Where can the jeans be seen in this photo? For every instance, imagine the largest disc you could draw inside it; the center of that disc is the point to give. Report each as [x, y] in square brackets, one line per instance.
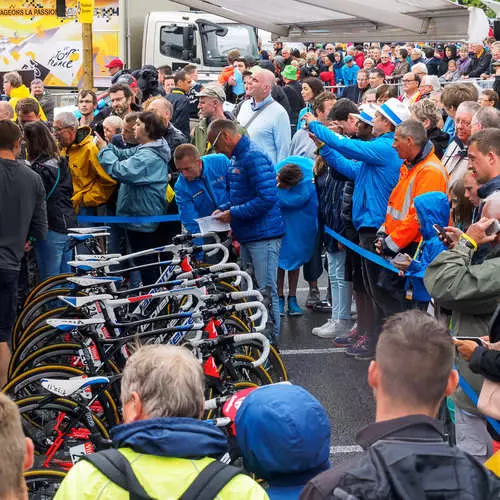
[263, 256]
[8, 294]
[53, 254]
[341, 289]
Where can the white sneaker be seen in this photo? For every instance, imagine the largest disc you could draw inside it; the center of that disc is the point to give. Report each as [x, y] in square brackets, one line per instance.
[326, 331]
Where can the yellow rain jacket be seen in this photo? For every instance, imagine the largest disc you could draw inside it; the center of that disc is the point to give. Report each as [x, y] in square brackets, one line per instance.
[92, 186]
[22, 92]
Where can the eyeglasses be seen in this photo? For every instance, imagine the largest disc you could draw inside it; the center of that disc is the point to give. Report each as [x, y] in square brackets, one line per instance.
[57, 129]
[215, 141]
[406, 81]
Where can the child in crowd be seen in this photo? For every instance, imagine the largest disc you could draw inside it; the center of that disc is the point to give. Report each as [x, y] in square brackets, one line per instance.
[432, 208]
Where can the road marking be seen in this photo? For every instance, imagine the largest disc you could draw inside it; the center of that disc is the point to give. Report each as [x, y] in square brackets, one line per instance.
[292, 352]
[306, 289]
[335, 450]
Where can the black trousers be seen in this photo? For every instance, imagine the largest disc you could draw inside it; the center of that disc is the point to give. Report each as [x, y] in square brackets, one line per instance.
[385, 288]
[8, 294]
[143, 241]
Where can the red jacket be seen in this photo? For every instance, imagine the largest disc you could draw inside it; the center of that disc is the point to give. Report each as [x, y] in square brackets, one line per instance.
[387, 67]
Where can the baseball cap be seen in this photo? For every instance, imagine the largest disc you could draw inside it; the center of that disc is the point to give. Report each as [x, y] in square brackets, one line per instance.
[347, 59]
[213, 90]
[395, 111]
[115, 63]
[367, 113]
[290, 72]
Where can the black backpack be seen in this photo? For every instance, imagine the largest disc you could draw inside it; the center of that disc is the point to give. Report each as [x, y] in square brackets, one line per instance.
[112, 464]
[417, 470]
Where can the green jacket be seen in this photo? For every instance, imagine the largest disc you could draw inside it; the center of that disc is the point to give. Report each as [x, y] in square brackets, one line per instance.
[199, 136]
[163, 478]
[471, 292]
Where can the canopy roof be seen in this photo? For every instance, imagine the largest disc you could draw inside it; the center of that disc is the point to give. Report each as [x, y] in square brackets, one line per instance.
[354, 20]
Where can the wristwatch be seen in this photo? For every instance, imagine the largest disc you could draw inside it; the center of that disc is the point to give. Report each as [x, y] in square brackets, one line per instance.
[466, 244]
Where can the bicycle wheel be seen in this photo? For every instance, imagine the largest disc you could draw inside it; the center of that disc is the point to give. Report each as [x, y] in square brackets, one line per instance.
[43, 484]
[240, 369]
[66, 354]
[41, 337]
[53, 282]
[28, 384]
[274, 365]
[59, 430]
[41, 304]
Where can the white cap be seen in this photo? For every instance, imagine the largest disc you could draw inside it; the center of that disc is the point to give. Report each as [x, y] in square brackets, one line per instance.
[395, 111]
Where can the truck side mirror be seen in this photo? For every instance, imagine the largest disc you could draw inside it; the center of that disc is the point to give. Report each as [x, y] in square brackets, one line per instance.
[188, 38]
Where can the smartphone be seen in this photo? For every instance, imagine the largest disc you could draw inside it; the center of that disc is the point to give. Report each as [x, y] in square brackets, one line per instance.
[477, 340]
[439, 230]
[493, 228]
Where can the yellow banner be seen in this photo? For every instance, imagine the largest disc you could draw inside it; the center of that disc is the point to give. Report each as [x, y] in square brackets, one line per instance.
[86, 11]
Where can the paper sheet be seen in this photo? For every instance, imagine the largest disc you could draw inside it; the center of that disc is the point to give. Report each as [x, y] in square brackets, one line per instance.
[212, 225]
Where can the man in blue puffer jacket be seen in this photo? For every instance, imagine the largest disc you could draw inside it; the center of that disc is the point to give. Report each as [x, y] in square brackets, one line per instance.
[374, 167]
[252, 209]
[201, 187]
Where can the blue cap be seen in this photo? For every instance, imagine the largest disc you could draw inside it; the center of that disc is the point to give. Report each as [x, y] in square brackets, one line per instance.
[347, 59]
[283, 433]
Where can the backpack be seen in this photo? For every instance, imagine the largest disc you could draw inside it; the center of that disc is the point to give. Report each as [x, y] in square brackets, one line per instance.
[417, 470]
[210, 481]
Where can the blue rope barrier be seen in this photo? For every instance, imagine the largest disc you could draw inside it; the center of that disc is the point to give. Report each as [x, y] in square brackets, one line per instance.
[469, 391]
[366, 254]
[111, 219]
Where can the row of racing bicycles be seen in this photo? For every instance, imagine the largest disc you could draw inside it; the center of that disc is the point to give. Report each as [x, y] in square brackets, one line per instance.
[76, 331]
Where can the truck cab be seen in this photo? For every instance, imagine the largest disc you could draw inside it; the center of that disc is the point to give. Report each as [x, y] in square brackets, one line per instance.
[180, 38]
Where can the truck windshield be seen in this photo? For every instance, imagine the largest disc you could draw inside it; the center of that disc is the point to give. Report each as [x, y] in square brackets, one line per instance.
[216, 48]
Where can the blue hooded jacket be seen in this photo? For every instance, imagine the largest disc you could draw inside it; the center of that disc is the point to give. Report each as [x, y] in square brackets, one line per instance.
[283, 433]
[372, 165]
[255, 214]
[202, 196]
[432, 208]
[171, 437]
[299, 209]
[143, 175]
[350, 74]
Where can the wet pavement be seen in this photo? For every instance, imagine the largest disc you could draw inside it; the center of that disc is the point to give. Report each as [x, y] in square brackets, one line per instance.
[339, 382]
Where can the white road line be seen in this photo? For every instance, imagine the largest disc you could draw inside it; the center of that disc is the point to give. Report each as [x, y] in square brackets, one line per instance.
[306, 289]
[335, 450]
[292, 352]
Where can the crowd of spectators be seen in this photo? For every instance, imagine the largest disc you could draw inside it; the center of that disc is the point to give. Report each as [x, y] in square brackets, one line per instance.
[394, 147]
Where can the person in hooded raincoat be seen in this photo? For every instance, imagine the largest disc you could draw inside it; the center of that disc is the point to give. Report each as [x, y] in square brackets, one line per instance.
[432, 208]
[299, 208]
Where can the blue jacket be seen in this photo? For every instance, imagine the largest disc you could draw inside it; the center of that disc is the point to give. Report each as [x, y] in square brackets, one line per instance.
[171, 437]
[349, 74]
[283, 433]
[432, 208]
[253, 195]
[299, 209]
[201, 196]
[143, 175]
[372, 165]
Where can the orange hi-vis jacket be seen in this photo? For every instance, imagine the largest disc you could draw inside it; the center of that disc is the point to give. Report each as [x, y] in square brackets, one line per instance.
[401, 223]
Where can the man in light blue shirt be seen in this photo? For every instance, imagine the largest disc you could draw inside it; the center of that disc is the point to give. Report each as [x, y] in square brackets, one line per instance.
[265, 120]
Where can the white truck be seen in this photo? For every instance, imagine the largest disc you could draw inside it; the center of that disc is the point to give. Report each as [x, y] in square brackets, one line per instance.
[138, 31]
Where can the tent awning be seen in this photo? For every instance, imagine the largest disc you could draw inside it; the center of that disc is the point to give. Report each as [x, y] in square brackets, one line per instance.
[354, 20]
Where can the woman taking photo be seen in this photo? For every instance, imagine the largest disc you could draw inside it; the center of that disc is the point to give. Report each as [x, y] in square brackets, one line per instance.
[53, 253]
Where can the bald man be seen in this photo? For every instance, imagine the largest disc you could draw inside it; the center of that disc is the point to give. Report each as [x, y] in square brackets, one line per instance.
[174, 137]
[6, 111]
[266, 121]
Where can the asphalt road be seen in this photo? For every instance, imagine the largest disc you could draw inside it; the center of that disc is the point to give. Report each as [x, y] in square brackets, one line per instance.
[338, 382]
